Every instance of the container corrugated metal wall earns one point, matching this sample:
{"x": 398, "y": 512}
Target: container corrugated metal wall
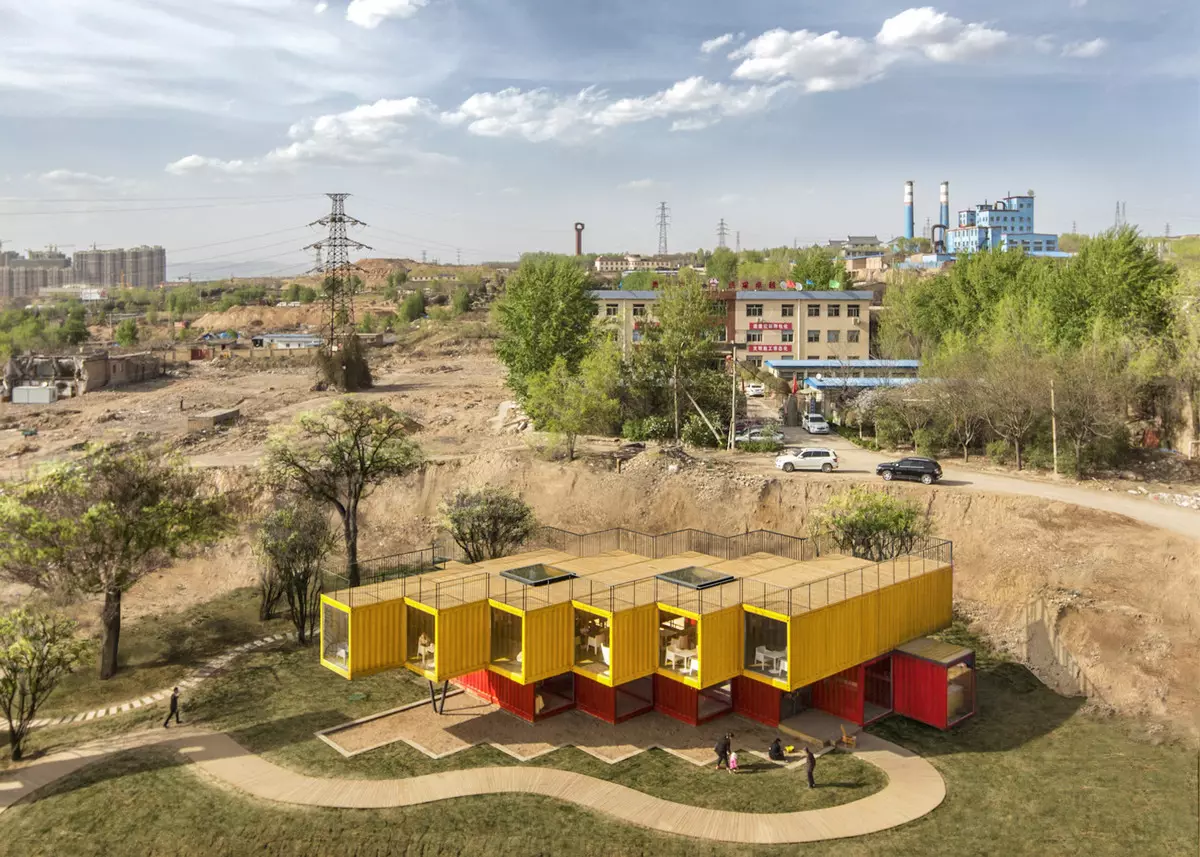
{"x": 463, "y": 640}
{"x": 634, "y": 643}
{"x": 548, "y": 642}
{"x": 756, "y": 700}
{"x": 376, "y": 637}
{"x": 841, "y": 694}
{"x": 676, "y": 699}
{"x": 478, "y": 683}
{"x": 344, "y": 672}
{"x": 596, "y": 699}
{"x": 919, "y": 689}
{"x": 513, "y": 696}
{"x": 720, "y": 645}
{"x": 831, "y": 639}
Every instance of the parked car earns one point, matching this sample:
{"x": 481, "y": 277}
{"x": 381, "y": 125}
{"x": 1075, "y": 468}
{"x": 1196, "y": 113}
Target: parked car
{"x": 810, "y": 458}
{"x": 756, "y": 390}
{"x": 924, "y": 470}
{"x": 815, "y": 424}
{"x": 755, "y": 435}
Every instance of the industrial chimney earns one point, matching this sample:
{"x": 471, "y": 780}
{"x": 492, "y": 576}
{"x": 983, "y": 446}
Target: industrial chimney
{"x": 908, "y": 210}
{"x": 578, "y": 239}
{"x": 945, "y": 198}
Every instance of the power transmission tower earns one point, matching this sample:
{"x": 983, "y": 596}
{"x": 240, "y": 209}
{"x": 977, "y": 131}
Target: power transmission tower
{"x": 458, "y": 257}
{"x": 337, "y": 271}
{"x": 737, "y": 242}
{"x": 664, "y": 219}
{"x": 722, "y": 234}
{"x": 1124, "y": 220}
{"x": 422, "y": 257}
{"x": 1167, "y": 231}
{"x": 1074, "y": 231}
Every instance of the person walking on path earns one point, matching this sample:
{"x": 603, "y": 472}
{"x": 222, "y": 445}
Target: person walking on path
{"x": 810, "y": 765}
{"x": 722, "y": 750}
{"x": 174, "y": 712}
{"x": 733, "y": 761}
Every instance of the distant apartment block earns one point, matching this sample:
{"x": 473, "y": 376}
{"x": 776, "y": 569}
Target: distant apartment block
{"x": 632, "y": 262}
{"x": 138, "y": 267}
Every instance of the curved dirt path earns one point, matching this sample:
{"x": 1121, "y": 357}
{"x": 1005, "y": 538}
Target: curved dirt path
{"x": 914, "y": 789}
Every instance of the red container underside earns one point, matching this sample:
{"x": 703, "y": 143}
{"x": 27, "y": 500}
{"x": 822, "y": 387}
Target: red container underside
{"x": 614, "y": 704}
{"x": 676, "y": 699}
{"x": 756, "y": 700}
{"x": 922, "y": 689}
{"x": 556, "y": 694}
{"x": 861, "y": 694}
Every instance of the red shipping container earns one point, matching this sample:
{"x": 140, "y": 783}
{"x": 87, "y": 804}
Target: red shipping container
{"x": 841, "y": 694}
{"x": 596, "y": 699}
{"x": 676, "y": 699}
{"x": 479, "y": 683}
{"x": 756, "y": 700}
{"x": 513, "y": 697}
{"x": 921, "y": 685}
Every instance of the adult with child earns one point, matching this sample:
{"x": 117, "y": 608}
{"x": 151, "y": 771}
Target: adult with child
{"x": 724, "y": 745}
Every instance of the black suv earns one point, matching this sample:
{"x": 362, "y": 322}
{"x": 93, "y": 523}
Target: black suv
{"x": 923, "y": 469}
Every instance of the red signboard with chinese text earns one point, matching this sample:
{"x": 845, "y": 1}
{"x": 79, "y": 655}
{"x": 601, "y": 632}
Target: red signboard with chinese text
{"x": 770, "y": 325}
{"x": 773, "y": 349}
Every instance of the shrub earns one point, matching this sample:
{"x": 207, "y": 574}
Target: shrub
{"x": 998, "y": 451}
{"x": 658, "y": 428}
{"x": 758, "y": 446}
{"x": 461, "y": 300}
{"x": 413, "y": 306}
{"x": 930, "y": 441}
{"x": 695, "y": 433}
{"x": 634, "y": 430}
{"x": 890, "y": 433}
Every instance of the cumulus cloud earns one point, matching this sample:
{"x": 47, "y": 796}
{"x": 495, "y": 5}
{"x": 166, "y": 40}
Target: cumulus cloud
{"x": 367, "y": 133}
{"x": 820, "y": 62}
{"x": 71, "y": 178}
{"x": 320, "y": 8}
{"x": 714, "y": 45}
{"x": 941, "y": 37}
{"x": 694, "y": 95}
{"x": 369, "y": 14}
{"x": 1085, "y": 50}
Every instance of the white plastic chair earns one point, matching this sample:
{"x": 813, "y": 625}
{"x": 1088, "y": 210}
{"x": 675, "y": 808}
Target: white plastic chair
{"x": 780, "y": 667}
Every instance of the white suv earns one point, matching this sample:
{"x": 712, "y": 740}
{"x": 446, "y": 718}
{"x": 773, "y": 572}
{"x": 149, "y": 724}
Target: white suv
{"x": 812, "y": 458}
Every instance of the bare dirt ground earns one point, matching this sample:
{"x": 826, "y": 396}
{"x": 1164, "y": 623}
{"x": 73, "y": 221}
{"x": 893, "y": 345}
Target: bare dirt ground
{"x": 1053, "y": 573}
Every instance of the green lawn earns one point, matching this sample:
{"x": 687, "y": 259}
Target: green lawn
{"x": 157, "y": 651}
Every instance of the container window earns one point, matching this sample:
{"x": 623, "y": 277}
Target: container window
{"x": 960, "y": 693}
{"x": 506, "y": 640}
{"x": 592, "y": 651}
{"x": 421, "y": 638}
{"x": 678, "y": 639}
{"x": 335, "y": 636}
{"x": 766, "y": 647}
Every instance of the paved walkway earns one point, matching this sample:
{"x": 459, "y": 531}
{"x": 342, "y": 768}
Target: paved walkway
{"x": 207, "y": 670}
{"x": 914, "y": 788}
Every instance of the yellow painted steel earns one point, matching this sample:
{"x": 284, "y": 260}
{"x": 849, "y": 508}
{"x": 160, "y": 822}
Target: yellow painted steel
{"x": 547, "y": 640}
{"x": 719, "y": 645}
{"x": 463, "y": 640}
{"x": 344, "y": 672}
{"x": 634, "y": 642}
{"x": 831, "y": 639}
{"x": 376, "y": 637}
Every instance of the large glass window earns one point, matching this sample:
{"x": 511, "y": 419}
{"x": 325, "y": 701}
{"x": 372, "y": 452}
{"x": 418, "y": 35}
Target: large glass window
{"x": 592, "y": 643}
{"x": 766, "y": 646}
{"x": 832, "y": 335}
{"x": 852, "y": 310}
{"x": 852, "y": 336}
{"x": 960, "y": 692}
{"x": 678, "y": 644}
{"x": 506, "y": 640}
{"x": 335, "y": 636}
{"x": 421, "y": 638}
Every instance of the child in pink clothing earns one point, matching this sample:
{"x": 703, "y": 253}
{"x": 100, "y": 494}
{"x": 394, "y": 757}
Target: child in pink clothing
{"x": 732, "y": 762}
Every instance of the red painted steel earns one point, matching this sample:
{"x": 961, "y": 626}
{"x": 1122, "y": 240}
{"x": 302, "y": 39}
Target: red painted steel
{"x": 919, "y": 689}
{"x": 841, "y": 694}
{"x": 677, "y": 700}
{"x": 756, "y": 700}
{"x": 596, "y": 699}
{"x": 478, "y": 683}
{"x": 877, "y": 677}
{"x": 513, "y": 697}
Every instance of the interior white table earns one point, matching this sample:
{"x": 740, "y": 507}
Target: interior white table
{"x": 677, "y": 655}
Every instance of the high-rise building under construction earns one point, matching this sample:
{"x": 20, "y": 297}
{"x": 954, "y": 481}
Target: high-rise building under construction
{"x": 138, "y": 267}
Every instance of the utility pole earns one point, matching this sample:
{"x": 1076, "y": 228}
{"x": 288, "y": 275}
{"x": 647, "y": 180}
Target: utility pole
{"x": 1054, "y": 427}
{"x": 337, "y": 271}
{"x": 732, "y": 395}
{"x": 722, "y": 234}
{"x": 663, "y": 220}
{"x": 1074, "y": 231}
{"x": 1167, "y": 231}
{"x": 738, "y": 242}
{"x": 1124, "y": 219}
{"x": 422, "y": 257}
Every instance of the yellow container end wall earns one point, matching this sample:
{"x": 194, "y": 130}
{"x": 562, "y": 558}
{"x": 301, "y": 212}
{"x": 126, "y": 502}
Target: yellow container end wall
{"x": 842, "y": 635}
{"x": 720, "y": 645}
{"x": 548, "y": 641}
{"x": 377, "y": 637}
{"x": 464, "y": 640}
{"x": 328, "y": 603}
{"x": 634, "y": 643}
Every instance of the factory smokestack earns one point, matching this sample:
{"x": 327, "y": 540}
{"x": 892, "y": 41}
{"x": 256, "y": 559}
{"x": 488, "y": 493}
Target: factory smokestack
{"x": 908, "y": 210}
{"x": 578, "y": 239}
{"x": 945, "y": 198}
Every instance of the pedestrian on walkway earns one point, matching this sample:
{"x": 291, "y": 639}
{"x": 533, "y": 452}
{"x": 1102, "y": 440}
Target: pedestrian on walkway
{"x": 810, "y": 765}
{"x": 174, "y": 712}
{"x": 733, "y": 762}
{"x": 722, "y": 749}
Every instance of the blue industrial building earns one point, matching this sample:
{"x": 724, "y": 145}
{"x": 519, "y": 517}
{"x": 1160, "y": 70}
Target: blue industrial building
{"x": 1006, "y": 224}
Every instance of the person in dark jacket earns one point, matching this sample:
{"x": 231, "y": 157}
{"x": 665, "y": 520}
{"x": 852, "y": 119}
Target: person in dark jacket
{"x": 775, "y": 751}
{"x": 722, "y": 750}
{"x": 810, "y": 765}
{"x": 174, "y": 712}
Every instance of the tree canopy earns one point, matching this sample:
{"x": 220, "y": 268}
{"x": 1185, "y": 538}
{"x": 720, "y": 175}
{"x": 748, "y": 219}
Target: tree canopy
{"x": 871, "y": 524}
{"x": 488, "y": 523}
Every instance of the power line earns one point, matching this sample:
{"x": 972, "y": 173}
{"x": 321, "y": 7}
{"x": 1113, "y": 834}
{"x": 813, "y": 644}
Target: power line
{"x": 236, "y": 240}
{"x": 287, "y": 241}
{"x": 722, "y": 234}
{"x": 133, "y": 210}
{"x": 663, "y": 220}
{"x": 62, "y": 199}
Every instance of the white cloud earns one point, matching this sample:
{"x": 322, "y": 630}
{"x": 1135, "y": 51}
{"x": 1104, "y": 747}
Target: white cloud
{"x": 71, "y": 178}
{"x": 320, "y": 8}
{"x": 371, "y": 13}
{"x": 694, "y": 95}
{"x": 1085, "y": 50}
{"x": 638, "y": 184}
{"x": 365, "y": 134}
{"x": 820, "y": 62}
{"x": 536, "y": 115}
{"x": 693, "y": 123}
{"x": 714, "y": 45}
{"x": 941, "y": 37}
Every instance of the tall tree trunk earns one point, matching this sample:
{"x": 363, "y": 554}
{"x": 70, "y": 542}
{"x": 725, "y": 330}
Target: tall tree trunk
{"x": 675, "y": 394}
{"x": 1078, "y": 460}
{"x": 966, "y": 453}
{"x": 1017, "y": 447}
{"x": 110, "y": 621}
{"x": 350, "y": 529}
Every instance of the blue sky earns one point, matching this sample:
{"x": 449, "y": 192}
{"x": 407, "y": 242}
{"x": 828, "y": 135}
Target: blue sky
{"x": 493, "y": 125}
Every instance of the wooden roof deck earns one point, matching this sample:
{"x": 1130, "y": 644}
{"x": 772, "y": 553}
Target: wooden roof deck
{"x": 628, "y": 586}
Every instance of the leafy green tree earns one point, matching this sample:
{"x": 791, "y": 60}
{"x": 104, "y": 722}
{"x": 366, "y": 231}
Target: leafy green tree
{"x": 293, "y": 545}
{"x": 546, "y": 314}
{"x": 461, "y": 300}
{"x": 870, "y": 524}
{"x": 489, "y": 523}
{"x": 307, "y": 295}
{"x": 292, "y": 293}
{"x": 338, "y": 456}
{"x": 722, "y": 265}
{"x": 817, "y": 268}
{"x": 98, "y": 525}
{"x": 413, "y": 306}
{"x": 127, "y": 333}
{"x": 37, "y": 650}
{"x": 73, "y": 331}
{"x": 367, "y": 323}
{"x": 1089, "y": 400}
{"x": 571, "y": 404}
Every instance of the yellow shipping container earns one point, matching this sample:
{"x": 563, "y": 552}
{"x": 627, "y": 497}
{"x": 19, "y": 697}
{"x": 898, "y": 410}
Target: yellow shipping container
{"x": 634, "y": 644}
{"x": 335, "y": 636}
{"x": 547, "y": 639}
{"x": 463, "y": 640}
{"x": 376, "y": 637}
{"x": 720, "y": 645}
